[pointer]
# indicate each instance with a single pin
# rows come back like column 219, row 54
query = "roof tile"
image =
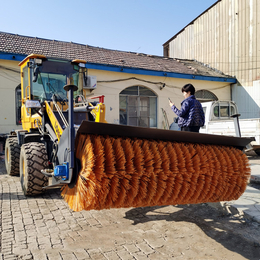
column 17, row 44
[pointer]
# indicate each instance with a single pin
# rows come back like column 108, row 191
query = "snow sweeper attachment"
column 124, row 166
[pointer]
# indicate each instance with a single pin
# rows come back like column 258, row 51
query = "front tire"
column 33, row 159
column 12, row 156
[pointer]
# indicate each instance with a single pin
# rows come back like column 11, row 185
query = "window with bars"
column 138, row 106
column 205, row 96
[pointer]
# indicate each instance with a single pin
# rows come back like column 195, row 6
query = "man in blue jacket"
column 191, row 115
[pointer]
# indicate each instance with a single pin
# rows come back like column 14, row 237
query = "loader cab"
column 49, row 76
column 49, row 79
column 52, row 75
column 42, row 80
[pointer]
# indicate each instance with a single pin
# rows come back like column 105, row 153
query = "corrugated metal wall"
column 226, row 38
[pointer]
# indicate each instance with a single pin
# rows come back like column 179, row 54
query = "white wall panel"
column 226, row 38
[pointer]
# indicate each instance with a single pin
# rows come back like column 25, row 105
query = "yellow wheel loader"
column 66, row 142
column 42, row 146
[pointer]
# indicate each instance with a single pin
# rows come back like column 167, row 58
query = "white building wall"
column 248, row 95
column 172, row 90
column 226, row 38
column 10, row 79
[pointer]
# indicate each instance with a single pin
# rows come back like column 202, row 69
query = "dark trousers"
column 190, row 128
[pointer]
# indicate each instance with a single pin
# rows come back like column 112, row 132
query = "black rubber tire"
column 12, row 156
column 33, row 159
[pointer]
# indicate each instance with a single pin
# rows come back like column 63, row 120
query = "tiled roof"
column 24, row 45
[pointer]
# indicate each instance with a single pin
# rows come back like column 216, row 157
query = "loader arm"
column 54, row 121
column 98, row 112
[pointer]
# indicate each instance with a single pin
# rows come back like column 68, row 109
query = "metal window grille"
column 138, row 106
column 205, row 95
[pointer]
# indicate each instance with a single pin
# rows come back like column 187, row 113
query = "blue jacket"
column 191, row 112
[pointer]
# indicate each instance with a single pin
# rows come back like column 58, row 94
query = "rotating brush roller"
column 121, row 172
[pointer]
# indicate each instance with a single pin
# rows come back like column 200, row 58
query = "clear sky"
column 128, row 25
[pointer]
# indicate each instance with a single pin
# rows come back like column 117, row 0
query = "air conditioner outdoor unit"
column 91, row 82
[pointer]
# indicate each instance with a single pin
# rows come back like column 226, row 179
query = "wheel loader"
column 66, row 142
column 38, row 151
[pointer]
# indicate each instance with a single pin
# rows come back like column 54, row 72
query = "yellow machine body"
column 32, row 120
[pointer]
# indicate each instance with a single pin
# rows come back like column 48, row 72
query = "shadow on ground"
column 235, row 234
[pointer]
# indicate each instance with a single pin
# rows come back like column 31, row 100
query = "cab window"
column 223, row 110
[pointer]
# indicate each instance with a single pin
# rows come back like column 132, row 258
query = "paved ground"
column 45, row 228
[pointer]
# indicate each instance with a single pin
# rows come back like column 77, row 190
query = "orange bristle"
column 165, row 173
column 124, row 172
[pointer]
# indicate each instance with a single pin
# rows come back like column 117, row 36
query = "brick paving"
column 44, row 227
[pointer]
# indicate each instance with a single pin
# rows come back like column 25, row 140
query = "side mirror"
column 35, row 73
column 85, row 79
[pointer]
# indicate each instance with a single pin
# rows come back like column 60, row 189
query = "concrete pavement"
column 44, row 228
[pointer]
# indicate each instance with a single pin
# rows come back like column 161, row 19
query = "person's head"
column 188, row 88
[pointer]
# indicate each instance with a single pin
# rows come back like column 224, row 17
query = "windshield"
column 52, row 77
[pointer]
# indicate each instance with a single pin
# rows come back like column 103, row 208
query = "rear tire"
column 33, row 159
column 12, row 156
